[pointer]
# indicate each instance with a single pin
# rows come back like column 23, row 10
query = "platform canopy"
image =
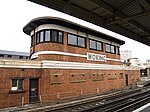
column 130, row 18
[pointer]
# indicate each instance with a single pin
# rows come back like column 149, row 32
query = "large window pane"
column 32, row 40
column 60, row 37
column 54, row 36
column 20, row 84
column 72, row 39
column 112, row 49
column 118, row 50
column 92, row 44
column 17, row 84
column 81, row 42
column 41, row 36
column 14, row 82
column 47, row 35
column 99, row 46
column 107, row 48
column 37, row 38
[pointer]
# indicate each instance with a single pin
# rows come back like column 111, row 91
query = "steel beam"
column 130, row 17
column 74, row 10
column 121, row 15
column 144, row 4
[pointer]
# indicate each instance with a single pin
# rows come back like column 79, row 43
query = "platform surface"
column 145, row 108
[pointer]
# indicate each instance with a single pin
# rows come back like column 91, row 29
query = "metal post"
column 148, row 72
column 22, row 101
column 58, row 95
column 81, row 93
column 97, row 91
column 41, row 99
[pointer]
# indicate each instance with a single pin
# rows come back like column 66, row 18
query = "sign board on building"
column 96, row 57
column 13, row 88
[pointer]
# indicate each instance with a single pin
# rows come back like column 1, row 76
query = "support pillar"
column 148, row 72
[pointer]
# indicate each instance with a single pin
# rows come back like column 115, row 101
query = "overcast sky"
column 15, row 14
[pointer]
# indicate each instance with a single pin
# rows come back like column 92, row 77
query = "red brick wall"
column 56, row 84
column 69, row 83
column 71, row 49
column 8, row 98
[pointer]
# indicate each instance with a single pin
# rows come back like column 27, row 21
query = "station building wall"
column 56, row 84
column 64, row 47
column 12, row 98
column 61, row 71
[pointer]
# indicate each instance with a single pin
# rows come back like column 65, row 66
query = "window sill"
column 78, row 81
column 55, row 83
column 49, row 42
column 112, row 78
column 76, row 46
column 17, row 91
column 110, row 52
column 97, row 80
column 96, row 49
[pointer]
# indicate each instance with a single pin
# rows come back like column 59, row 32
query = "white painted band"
column 35, row 55
column 86, row 66
column 65, row 29
column 142, row 108
column 61, row 65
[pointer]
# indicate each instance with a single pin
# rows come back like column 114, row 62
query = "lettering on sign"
column 96, row 57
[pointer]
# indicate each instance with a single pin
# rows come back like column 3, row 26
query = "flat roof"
column 126, row 17
column 15, row 53
column 63, row 22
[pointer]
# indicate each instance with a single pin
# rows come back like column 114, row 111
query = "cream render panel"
column 65, row 29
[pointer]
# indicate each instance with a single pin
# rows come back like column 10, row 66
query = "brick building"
column 67, row 61
column 14, row 54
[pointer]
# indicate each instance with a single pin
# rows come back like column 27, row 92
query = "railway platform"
column 99, row 100
column 38, row 106
column 145, row 108
column 145, row 81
